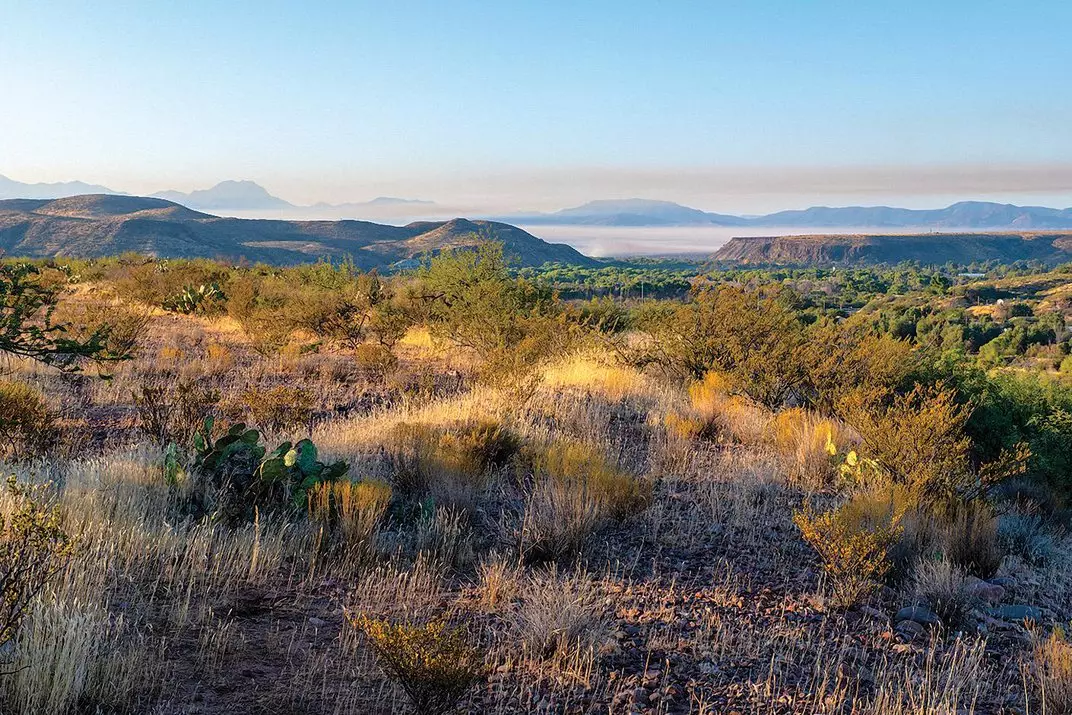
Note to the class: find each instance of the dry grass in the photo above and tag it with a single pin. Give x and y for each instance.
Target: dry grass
(681, 586)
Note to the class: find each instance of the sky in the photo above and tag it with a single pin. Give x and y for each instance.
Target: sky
(737, 107)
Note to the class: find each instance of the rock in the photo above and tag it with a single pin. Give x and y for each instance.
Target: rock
(873, 613)
(1017, 613)
(317, 622)
(918, 614)
(910, 630)
(1006, 582)
(983, 591)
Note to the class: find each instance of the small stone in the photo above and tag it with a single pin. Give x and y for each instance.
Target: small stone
(988, 592)
(1006, 582)
(1017, 613)
(317, 622)
(910, 630)
(918, 614)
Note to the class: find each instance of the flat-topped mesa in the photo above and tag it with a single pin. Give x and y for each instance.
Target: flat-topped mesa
(926, 248)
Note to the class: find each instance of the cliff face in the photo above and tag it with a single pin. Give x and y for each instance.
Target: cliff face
(923, 248)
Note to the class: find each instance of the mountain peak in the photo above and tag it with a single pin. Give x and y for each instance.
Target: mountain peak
(230, 194)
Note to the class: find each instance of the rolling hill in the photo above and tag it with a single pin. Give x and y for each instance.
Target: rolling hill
(934, 249)
(102, 224)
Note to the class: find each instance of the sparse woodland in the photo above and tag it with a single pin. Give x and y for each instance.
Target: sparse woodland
(248, 489)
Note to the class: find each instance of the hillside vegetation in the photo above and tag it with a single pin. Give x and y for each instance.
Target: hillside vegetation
(106, 225)
(315, 489)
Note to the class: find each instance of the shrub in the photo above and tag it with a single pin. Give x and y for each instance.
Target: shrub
(433, 663)
(854, 555)
(942, 586)
(376, 361)
(353, 510)
(576, 490)
(1053, 673)
(919, 441)
(27, 424)
(277, 408)
(842, 363)
(919, 533)
(33, 546)
(755, 339)
(970, 537)
(173, 412)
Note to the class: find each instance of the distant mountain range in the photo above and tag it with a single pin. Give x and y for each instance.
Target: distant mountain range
(245, 196)
(966, 214)
(109, 224)
(248, 197)
(929, 249)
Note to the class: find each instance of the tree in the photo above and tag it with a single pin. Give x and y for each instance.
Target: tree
(27, 303)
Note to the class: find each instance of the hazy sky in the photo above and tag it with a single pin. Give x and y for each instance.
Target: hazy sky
(727, 106)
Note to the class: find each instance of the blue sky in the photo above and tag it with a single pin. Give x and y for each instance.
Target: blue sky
(540, 104)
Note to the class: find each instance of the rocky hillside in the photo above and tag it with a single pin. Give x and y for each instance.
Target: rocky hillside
(1052, 247)
(101, 225)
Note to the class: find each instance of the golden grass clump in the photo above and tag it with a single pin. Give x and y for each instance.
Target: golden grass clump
(218, 358)
(434, 663)
(597, 376)
(726, 415)
(806, 442)
(353, 509)
(425, 454)
(27, 423)
(277, 408)
(576, 490)
(1053, 672)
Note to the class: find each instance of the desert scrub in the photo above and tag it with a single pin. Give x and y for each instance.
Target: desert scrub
(434, 663)
(575, 491)
(423, 454)
(27, 423)
(33, 547)
(1053, 672)
(173, 411)
(854, 554)
(352, 510)
(277, 408)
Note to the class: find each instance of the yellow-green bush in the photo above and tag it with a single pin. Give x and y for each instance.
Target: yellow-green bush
(422, 453)
(433, 663)
(854, 547)
(575, 491)
(351, 509)
(27, 423)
